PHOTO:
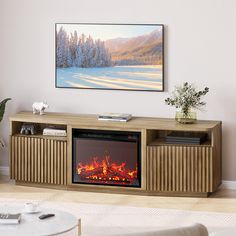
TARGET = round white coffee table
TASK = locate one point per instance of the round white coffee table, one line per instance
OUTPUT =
(30, 224)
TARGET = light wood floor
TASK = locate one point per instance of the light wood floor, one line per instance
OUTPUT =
(222, 201)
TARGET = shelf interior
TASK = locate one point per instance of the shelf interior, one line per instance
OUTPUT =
(158, 138)
(16, 128)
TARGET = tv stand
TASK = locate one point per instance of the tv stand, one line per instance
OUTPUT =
(167, 169)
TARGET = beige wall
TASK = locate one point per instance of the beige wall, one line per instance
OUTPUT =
(200, 48)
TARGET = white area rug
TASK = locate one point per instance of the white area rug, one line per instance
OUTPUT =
(118, 220)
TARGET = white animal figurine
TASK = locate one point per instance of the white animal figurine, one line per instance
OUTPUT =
(39, 107)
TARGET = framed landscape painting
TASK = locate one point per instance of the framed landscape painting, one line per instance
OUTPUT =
(110, 56)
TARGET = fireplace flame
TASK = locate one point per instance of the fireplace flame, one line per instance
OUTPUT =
(106, 171)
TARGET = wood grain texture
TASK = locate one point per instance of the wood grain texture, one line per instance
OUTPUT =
(180, 168)
(38, 160)
(92, 121)
(217, 153)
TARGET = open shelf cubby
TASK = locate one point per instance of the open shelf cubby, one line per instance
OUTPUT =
(16, 128)
(158, 138)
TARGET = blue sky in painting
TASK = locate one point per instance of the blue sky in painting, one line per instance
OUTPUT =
(105, 32)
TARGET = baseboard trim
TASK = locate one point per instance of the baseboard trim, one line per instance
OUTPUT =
(4, 170)
(226, 184)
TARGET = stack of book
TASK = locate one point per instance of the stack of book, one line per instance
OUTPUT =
(54, 132)
(6, 218)
(179, 137)
(115, 117)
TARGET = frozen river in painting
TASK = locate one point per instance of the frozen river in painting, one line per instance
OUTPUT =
(118, 77)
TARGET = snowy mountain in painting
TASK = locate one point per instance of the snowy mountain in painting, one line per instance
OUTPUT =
(121, 44)
(115, 44)
(144, 49)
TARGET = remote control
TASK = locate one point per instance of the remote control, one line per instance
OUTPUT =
(45, 216)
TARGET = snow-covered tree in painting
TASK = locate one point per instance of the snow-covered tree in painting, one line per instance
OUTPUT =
(73, 47)
(63, 52)
(80, 51)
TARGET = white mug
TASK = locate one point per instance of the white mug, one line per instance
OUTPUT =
(30, 207)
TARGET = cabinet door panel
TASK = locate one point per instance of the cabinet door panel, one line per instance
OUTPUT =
(179, 168)
(38, 160)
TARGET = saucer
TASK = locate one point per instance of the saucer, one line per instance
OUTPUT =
(31, 212)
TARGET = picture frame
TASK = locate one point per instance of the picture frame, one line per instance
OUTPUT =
(109, 56)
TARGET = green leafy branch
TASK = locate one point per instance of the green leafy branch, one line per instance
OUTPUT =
(186, 97)
(2, 107)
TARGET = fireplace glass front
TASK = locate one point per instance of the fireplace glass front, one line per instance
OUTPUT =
(106, 158)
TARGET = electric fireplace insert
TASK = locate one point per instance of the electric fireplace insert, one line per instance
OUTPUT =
(106, 158)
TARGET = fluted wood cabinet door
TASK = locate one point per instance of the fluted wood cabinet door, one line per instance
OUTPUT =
(38, 160)
(180, 168)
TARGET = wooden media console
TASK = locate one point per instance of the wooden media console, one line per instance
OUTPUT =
(166, 169)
